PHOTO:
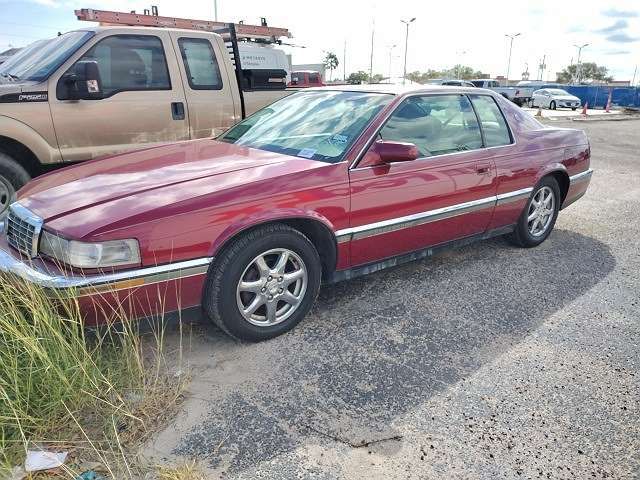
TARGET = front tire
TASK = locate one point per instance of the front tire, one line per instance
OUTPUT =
(552, 105)
(263, 284)
(539, 216)
(12, 178)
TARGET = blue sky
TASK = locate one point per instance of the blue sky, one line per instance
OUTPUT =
(444, 33)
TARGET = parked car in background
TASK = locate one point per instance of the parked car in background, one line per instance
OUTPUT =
(305, 79)
(554, 98)
(518, 95)
(104, 90)
(323, 185)
(451, 82)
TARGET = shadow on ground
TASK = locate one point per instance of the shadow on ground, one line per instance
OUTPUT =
(376, 347)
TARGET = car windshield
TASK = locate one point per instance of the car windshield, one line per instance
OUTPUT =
(557, 91)
(319, 125)
(40, 59)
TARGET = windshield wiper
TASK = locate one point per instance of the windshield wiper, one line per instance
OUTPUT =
(11, 76)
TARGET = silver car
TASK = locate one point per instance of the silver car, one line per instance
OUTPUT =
(553, 98)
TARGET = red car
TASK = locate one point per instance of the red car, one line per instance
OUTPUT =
(323, 185)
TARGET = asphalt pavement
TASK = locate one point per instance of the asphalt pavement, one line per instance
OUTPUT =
(484, 362)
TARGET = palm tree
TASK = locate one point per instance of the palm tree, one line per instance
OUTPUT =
(331, 62)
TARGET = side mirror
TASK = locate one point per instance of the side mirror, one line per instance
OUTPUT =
(383, 152)
(82, 82)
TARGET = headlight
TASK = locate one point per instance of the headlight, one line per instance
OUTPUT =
(90, 255)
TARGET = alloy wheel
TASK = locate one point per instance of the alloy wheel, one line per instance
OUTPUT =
(541, 211)
(272, 287)
(7, 193)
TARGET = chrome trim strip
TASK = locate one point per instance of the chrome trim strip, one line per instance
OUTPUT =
(394, 224)
(514, 196)
(413, 220)
(582, 176)
(83, 285)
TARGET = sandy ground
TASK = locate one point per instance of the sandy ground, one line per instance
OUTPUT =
(484, 362)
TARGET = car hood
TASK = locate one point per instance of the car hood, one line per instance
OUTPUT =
(78, 200)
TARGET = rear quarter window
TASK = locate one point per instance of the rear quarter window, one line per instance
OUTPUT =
(494, 126)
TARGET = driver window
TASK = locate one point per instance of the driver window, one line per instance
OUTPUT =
(130, 62)
(436, 124)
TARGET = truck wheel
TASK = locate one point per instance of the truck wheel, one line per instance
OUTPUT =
(12, 178)
(263, 283)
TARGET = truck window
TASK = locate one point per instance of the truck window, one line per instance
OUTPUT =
(130, 62)
(200, 63)
(494, 126)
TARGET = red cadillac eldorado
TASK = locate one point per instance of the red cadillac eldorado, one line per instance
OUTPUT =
(321, 186)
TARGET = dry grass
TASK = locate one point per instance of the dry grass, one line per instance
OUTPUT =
(186, 471)
(61, 388)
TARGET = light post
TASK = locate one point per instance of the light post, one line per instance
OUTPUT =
(406, 47)
(578, 69)
(460, 54)
(512, 37)
(391, 47)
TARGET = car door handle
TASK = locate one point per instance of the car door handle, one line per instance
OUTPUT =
(177, 110)
(483, 169)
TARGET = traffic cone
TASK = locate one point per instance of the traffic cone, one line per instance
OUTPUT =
(584, 109)
(608, 107)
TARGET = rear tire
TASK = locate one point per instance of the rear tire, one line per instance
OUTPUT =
(12, 178)
(250, 295)
(539, 215)
(574, 108)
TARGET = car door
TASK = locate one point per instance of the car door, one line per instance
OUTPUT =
(207, 83)
(140, 102)
(446, 194)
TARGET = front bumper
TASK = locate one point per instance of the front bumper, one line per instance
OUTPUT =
(61, 284)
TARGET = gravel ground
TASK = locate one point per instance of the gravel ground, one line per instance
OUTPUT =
(484, 362)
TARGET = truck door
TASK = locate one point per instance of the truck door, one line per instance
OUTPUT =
(141, 99)
(209, 86)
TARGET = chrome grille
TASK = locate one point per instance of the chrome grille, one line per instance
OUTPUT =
(23, 230)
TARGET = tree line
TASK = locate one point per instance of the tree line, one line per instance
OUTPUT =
(587, 72)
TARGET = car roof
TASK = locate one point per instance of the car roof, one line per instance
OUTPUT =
(393, 89)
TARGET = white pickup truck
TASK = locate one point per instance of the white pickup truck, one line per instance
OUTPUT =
(518, 95)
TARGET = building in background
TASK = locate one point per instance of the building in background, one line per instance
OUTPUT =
(315, 67)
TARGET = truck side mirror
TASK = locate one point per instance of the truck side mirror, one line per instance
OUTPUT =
(82, 82)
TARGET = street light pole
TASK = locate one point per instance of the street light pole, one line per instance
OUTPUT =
(390, 53)
(578, 69)
(344, 61)
(406, 47)
(373, 30)
(215, 10)
(512, 37)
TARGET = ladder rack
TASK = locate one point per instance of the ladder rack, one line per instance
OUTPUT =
(242, 31)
